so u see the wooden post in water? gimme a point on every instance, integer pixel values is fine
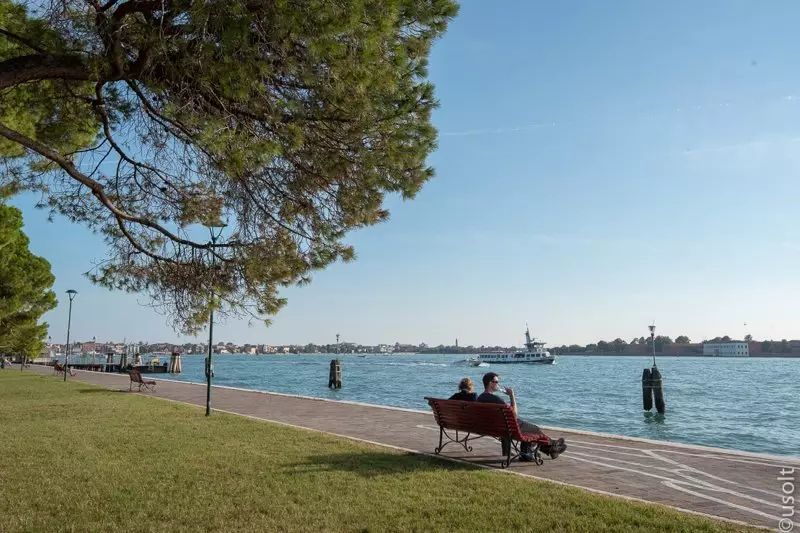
(647, 390)
(175, 363)
(657, 386)
(335, 378)
(652, 382)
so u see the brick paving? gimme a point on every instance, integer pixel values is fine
(731, 485)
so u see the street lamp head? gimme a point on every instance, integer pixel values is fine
(652, 329)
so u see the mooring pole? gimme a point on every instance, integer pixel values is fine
(652, 382)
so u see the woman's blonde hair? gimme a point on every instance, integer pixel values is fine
(465, 384)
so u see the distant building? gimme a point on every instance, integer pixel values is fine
(726, 349)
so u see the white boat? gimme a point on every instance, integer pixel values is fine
(534, 354)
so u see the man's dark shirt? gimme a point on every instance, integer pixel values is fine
(488, 397)
(464, 396)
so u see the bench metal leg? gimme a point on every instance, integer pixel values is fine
(507, 462)
(464, 443)
(512, 446)
(535, 452)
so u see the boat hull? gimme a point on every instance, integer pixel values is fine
(542, 362)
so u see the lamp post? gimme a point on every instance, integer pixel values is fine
(209, 368)
(653, 341)
(71, 293)
(337, 344)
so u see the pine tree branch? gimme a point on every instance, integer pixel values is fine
(98, 191)
(36, 67)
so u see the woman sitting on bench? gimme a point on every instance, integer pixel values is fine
(465, 391)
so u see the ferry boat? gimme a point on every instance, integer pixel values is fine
(534, 354)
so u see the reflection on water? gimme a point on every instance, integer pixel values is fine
(738, 403)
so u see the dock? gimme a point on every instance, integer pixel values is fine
(730, 485)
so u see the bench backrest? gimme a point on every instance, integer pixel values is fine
(489, 419)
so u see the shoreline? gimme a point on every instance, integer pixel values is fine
(577, 431)
(164, 377)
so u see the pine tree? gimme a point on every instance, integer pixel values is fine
(25, 294)
(288, 121)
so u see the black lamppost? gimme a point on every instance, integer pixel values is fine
(71, 294)
(209, 367)
(653, 341)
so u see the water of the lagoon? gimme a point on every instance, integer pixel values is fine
(741, 403)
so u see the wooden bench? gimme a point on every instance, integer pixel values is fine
(136, 377)
(477, 420)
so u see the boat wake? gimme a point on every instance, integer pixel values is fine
(469, 362)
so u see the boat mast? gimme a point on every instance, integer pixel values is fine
(528, 343)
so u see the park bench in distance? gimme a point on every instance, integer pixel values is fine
(477, 420)
(147, 384)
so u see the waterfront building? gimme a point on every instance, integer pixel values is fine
(726, 349)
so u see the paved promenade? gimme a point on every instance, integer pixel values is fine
(737, 486)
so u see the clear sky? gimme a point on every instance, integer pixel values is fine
(597, 169)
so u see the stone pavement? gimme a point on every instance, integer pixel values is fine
(732, 485)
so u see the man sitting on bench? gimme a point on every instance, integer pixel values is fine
(491, 384)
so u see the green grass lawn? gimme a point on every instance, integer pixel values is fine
(80, 458)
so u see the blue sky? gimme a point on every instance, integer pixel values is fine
(597, 170)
